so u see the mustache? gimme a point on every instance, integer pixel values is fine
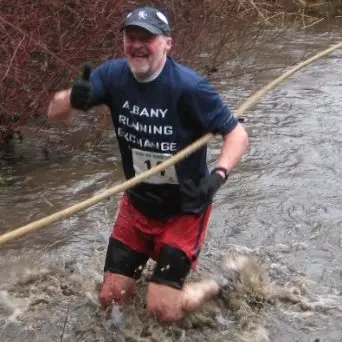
(138, 52)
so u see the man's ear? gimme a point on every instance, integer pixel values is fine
(168, 44)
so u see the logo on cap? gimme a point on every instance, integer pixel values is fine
(162, 17)
(149, 19)
(142, 15)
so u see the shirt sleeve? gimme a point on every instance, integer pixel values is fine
(208, 107)
(100, 84)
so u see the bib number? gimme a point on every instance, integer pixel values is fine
(144, 160)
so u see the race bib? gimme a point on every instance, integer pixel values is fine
(144, 160)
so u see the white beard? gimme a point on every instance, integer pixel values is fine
(142, 71)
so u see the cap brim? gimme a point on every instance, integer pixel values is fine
(148, 27)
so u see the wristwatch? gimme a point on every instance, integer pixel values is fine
(223, 170)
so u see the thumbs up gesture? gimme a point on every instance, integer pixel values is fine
(81, 90)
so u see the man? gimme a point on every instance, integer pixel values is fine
(158, 107)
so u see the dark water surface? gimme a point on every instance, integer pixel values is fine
(282, 205)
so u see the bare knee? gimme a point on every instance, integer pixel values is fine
(196, 294)
(164, 302)
(117, 289)
(165, 294)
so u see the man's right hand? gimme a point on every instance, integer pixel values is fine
(81, 91)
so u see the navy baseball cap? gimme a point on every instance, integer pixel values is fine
(150, 19)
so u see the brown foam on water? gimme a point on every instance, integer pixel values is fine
(60, 303)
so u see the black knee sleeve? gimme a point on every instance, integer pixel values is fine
(122, 260)
(172, 267)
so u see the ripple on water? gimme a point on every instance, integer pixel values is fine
(282, 206)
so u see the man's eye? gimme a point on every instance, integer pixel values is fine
(142, 39)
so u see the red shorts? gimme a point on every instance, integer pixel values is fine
(147, 236)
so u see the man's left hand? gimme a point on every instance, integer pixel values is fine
(197, 198)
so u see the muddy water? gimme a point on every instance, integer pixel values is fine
(282, 207)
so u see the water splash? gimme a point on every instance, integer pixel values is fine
(61, 303)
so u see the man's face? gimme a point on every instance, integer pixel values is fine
(145, 52)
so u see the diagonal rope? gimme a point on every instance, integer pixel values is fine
(31, 227)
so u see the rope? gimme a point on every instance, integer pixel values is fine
(171, 161)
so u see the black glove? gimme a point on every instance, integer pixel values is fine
(81, 90)
(195, 199)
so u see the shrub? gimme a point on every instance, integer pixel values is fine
(44, 43)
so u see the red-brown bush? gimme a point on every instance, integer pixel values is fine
(44, 43)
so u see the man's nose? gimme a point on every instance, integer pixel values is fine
(137, 43)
